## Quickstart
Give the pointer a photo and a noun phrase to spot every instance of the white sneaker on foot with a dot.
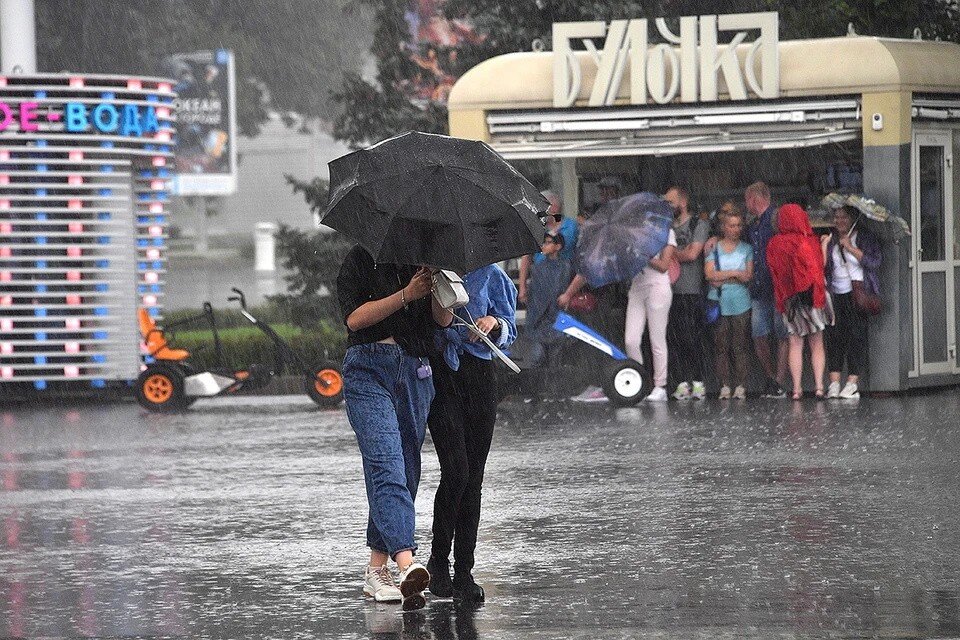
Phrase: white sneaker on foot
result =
(659, 394)
(379, 585)
(413, 580)
(740, 393)
(850, 391)
(682, 392)
(699, 390)
(591, 394)
(833, 391)
(724, 392)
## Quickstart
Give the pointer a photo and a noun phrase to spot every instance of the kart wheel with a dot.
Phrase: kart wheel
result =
(626, 383)
(160, 388)
(325, 385)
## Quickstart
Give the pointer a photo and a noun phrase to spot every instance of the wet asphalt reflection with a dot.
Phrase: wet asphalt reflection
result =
(244, 518)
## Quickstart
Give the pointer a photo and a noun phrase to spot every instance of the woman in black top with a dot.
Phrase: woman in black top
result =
(388, 386)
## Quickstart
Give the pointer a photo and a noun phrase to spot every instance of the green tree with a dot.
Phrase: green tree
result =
(312, 259)
(288, 54)
(377, 110)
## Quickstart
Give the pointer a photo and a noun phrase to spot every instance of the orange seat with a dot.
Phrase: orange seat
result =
(155, 341)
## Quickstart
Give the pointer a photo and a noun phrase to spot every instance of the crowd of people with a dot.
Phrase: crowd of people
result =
(754, 280)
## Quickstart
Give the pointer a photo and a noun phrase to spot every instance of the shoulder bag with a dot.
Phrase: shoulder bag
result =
(864, 300)
(711, 309)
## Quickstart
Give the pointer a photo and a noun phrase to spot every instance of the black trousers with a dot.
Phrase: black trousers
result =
(847, 338)
(685, 343)
(461, 424)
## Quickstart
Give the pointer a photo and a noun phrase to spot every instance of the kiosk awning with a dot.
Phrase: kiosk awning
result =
(671, 131)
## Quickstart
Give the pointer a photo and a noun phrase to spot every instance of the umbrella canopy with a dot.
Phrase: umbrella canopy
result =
(884, 223)
(426, 199)
(619, 239)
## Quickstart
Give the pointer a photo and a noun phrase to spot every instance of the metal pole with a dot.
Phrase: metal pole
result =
(18, 37)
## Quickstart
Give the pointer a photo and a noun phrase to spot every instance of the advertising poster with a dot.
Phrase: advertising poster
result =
(206, 153)
(431, 46)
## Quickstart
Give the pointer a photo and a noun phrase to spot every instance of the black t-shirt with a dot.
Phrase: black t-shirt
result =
(361, 280)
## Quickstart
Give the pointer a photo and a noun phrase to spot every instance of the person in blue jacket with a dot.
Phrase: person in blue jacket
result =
(461, 422)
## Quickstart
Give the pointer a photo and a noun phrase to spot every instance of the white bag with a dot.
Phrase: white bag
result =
(449, 290)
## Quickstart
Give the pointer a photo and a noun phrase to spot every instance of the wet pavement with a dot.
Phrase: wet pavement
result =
(244, 518)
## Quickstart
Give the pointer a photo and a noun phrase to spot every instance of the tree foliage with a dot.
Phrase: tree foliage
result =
(312, 261)
(289, 54)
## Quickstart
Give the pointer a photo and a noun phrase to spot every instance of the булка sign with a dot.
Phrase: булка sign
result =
(693, 58)
(123, 120)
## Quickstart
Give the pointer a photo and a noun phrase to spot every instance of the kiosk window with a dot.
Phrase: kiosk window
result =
(932, 220)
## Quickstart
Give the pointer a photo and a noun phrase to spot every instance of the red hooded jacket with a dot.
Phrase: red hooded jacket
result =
(795, 258)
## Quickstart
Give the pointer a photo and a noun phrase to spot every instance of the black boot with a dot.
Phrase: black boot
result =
(466, 590)
(440, 584)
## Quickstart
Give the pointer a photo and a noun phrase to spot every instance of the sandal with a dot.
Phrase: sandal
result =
(798, 395)
(819, 394)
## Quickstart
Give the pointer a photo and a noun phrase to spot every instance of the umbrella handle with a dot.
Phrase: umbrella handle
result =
(493, 348)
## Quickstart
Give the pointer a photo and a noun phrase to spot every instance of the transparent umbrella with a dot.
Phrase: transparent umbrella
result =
(617, 241)
(877, 217)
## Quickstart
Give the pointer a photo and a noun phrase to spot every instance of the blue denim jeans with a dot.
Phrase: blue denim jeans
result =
(387, 405)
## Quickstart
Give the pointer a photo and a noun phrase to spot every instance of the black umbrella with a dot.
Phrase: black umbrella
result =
(427, 199)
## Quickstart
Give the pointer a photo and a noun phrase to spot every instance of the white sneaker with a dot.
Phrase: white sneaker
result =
(659, 394)
(699, 390)
(833, 391)
(379, 585)
(850, 391)
(682, 392)
(740, 393)
(591, 394)
(724, 392)
(413, 580)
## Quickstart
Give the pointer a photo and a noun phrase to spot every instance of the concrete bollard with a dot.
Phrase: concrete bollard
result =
(265, 247)
(18, 35)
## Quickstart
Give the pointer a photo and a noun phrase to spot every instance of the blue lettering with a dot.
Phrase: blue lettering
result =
(76, 117)
(131, 121)
(150, 122)
(107, 118)
(112, 123)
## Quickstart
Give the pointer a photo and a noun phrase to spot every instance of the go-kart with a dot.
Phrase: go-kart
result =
(625, 381)
(168, 382)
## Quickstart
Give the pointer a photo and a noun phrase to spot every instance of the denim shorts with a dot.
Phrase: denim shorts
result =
(765, 319)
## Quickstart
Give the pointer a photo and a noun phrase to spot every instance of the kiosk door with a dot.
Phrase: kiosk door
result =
(935, 329)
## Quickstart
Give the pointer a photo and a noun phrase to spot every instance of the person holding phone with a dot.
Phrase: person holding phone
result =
(391, 320)
(851, 255)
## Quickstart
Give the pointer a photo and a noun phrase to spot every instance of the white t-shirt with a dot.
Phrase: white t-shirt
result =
(649, 275)
(845, 272)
